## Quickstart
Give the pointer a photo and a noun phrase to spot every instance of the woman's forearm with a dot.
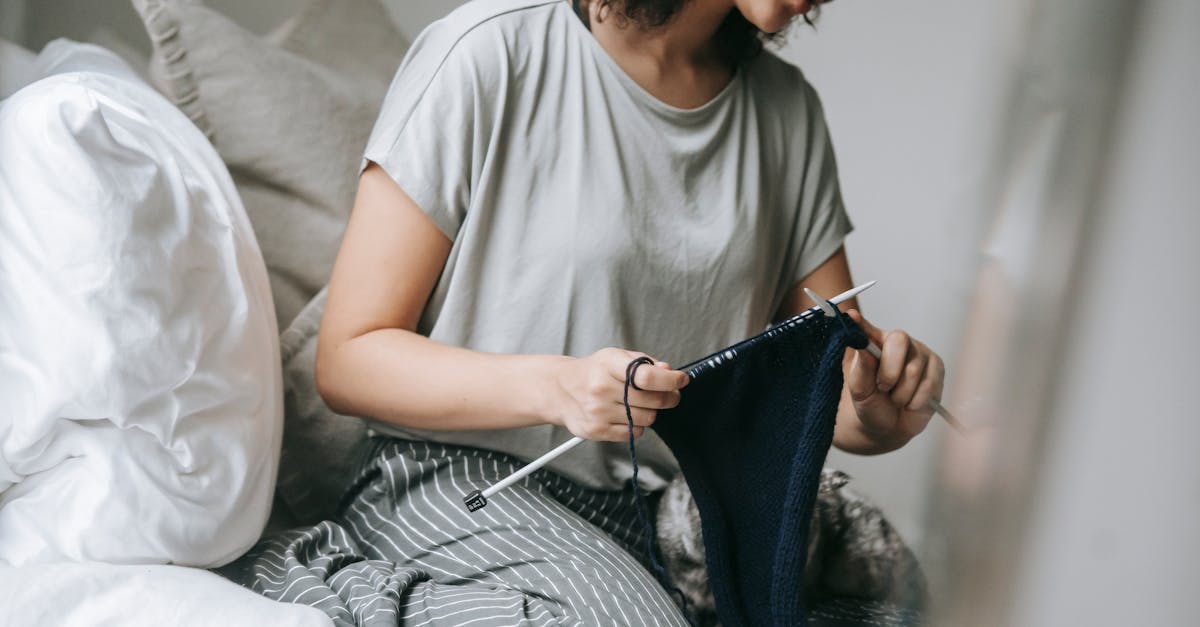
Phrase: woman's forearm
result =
(407, 379)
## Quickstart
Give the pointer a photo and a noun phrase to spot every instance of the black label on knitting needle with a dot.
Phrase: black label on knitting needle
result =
(475, 500)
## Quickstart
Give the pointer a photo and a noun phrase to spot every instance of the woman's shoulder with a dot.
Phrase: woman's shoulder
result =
(474, 27)
(781, 91)
(458, 71)
(476, 12)
(772, 75)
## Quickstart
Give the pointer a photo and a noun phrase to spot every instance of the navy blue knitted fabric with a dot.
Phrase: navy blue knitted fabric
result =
(751, 433)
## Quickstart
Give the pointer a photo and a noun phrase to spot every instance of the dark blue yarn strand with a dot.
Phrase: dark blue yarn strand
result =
(643, 508)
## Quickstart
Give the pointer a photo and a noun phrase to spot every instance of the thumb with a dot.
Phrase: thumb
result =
(860, 376)
(873, 332)
(683, 378)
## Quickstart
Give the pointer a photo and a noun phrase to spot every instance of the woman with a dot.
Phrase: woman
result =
(550, 189)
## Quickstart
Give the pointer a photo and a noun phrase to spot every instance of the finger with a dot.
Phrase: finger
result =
(931, 385)
(641, 417)
(861, 376)
(619, 433)
(618, 362)
(652, 400)
(912, 423)
(654, 378)
(894, 355)
(910, 378)
(873, 332)
(657, 376)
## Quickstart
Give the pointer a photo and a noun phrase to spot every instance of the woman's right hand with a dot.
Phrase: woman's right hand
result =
(591, 394)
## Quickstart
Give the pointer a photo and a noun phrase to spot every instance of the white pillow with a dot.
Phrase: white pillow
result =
(100, 595)
(16, 68)
(140, 386)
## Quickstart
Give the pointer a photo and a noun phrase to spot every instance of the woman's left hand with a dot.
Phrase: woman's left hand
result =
(891, 394)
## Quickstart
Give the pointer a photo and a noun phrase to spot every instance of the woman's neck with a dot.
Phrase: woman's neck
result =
(679, 62)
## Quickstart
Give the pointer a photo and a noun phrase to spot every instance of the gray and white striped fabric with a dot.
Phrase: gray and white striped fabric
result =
(404, 550)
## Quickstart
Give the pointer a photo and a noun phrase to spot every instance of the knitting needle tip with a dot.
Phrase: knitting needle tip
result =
(827, 305)
(852, 292)
(950, 419)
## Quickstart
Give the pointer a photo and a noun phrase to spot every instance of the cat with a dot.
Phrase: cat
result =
(853, 551)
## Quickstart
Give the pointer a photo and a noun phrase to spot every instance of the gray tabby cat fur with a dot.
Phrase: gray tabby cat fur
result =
(852, 550)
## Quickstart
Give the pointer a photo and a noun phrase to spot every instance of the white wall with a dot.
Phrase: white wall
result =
(1112, 537)
(907, 88)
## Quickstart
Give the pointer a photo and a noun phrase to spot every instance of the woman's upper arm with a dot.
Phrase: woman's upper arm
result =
(831, 278)
(390, 258)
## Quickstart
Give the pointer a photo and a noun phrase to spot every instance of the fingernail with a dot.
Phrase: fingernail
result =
(882, 387)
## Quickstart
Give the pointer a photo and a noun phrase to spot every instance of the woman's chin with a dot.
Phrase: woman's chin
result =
(774, 26)
(774, 21)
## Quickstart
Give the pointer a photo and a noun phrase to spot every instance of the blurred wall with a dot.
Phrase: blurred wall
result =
(1111, 535)
(910, 91)
(907, 88)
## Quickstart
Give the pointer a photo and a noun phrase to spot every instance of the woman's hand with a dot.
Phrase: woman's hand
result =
(590, 399)
(891, 395)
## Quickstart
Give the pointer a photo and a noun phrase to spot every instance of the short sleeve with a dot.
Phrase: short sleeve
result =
(431, 134)
(821, 221)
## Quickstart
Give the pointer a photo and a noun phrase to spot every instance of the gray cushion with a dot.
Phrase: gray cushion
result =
(289, 118)
(320, 448)
(17, 68)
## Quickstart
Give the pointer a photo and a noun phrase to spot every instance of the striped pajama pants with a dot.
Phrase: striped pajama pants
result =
(405, 550)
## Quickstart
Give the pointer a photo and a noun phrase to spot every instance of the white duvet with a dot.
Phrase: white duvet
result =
(87, 595)
(140, 393)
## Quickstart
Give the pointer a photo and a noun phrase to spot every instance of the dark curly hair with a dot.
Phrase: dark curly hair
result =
(737, 39)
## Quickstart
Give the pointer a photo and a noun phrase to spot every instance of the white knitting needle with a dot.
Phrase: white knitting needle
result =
(934, 403)
(478, 498)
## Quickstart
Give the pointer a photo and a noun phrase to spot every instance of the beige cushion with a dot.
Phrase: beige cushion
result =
(17, 68)
(321, 449)
(290, 118)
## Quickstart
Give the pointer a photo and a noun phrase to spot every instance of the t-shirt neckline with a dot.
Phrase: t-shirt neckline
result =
(639, 92)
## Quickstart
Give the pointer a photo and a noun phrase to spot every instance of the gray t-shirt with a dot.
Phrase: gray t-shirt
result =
(586, 213)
